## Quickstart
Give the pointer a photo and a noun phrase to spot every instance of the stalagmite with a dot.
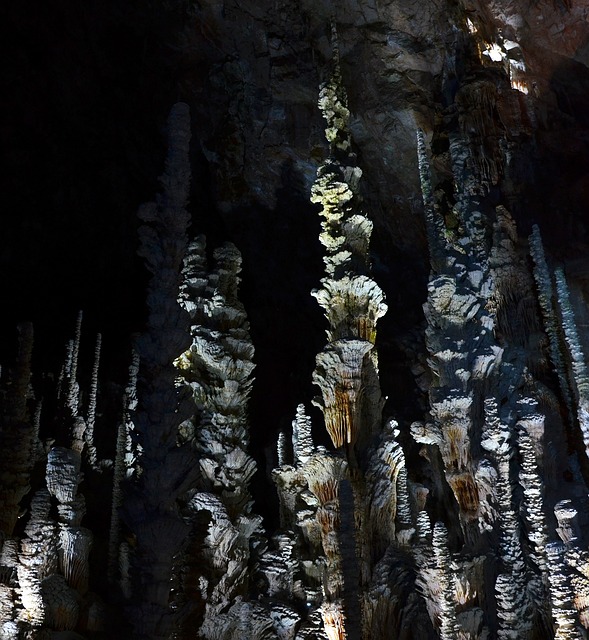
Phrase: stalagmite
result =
(352, 307)
(333, 620)
(217, 368)
(324, 474)
(449, 628)
(533, 487)
(563, 611)
(339, 376)
(74, 548)
(580, 373)
(61, 604)
(167, 471)
(302, 438)
(126, 455)
(69, 386)
(511, 586)
(545, 296)
(63, 474)
(37, 559)
(566, 516)
(479, 448)
(384, 480)
(436, 230)
(91, 415)
(8, 567)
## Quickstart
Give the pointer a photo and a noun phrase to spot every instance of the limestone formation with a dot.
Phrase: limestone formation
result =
(464, 516)
(579, 372)
(546, 295)
(166, 470)
(91, 415)
(339, 376)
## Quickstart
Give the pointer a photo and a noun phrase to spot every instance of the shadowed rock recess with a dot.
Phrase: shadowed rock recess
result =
(332, 381)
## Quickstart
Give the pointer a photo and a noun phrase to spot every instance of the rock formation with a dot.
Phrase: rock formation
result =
(436, 485)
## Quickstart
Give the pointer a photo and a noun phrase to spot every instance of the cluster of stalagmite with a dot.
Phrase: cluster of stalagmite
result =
(458, 526)
(347, 375)
(484, 343)
(461, 345)
(347, 369)
(353, 507)
(45, 575)
(217, 368)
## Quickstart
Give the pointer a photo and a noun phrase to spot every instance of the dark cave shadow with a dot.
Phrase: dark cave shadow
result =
(282, 263)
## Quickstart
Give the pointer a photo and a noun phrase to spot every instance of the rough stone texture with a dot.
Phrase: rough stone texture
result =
(500, 92)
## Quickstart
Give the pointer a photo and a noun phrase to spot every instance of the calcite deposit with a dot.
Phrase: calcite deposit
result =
(356, 405)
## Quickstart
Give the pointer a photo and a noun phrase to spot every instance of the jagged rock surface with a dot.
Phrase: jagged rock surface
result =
(458, 509)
